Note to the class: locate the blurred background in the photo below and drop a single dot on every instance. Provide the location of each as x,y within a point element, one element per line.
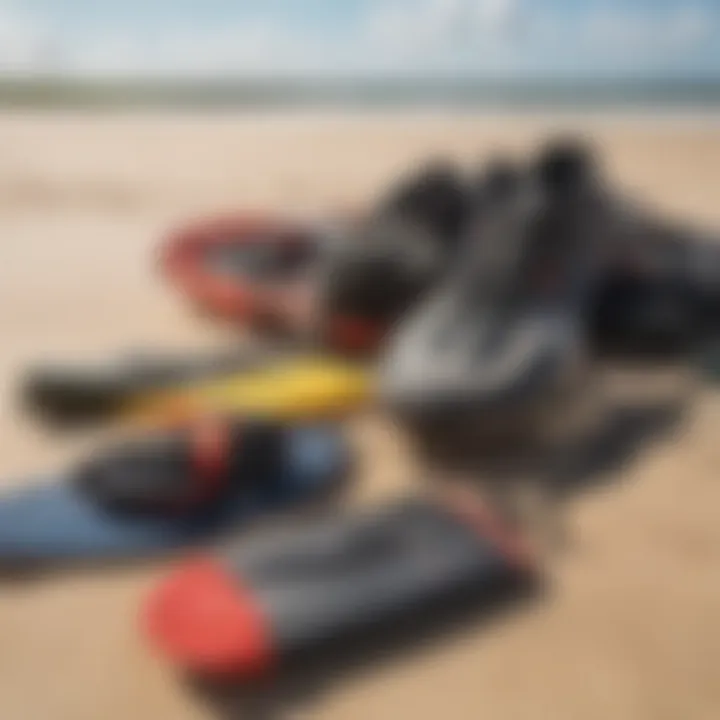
<point>121,120</point>
<point>387,52</point>
<point>488,53</point>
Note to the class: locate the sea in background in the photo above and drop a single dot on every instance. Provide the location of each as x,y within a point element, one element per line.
<point>655,95</point>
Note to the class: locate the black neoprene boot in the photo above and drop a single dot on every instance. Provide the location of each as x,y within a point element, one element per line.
<point>504,339</point>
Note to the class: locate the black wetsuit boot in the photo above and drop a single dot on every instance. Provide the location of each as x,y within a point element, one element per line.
<point>500,343</point>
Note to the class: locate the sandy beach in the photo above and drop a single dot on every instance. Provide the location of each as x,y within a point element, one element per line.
<point>630,629</point>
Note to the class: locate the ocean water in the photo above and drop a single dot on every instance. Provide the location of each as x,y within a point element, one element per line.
<point>530,95</point>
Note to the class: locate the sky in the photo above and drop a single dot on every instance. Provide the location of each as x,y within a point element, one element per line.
<point>366,38</point>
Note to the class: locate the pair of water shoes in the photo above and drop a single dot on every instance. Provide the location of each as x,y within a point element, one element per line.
<point>657,282</point>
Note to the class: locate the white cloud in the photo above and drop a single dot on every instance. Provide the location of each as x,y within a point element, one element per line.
<point>416,26</point>
<point>520,32</point>
<point>255,46</point>
<point>624,33</point>
<point>500,17</point>
<point>395,35</point>
<point>407,36</point>
<point>26,47</point>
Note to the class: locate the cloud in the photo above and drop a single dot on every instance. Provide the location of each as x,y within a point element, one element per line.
<point>499,17</point>
<point>417,26</point>
<point>393,37</point>
<point>519,36</point>
<point>649,34</point>
<point>26,46</point>
<point>420,37</point>
<point>255,46</point>
<point>262,45</point>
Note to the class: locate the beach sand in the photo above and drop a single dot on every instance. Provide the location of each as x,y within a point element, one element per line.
<point>630,629</point>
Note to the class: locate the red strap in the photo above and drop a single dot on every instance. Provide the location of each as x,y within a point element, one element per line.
<point>249,301</point>
<point>355,334</point>
<point>469,507</point>
<point>210,447</point>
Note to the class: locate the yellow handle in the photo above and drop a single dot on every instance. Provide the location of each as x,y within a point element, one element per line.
<point>299,388</point>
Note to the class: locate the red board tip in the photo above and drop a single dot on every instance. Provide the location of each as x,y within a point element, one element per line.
<point>204,621</point>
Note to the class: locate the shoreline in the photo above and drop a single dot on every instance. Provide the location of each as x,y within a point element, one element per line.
<point>661,116</point>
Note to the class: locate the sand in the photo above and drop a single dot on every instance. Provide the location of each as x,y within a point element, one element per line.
<point>631,627</point>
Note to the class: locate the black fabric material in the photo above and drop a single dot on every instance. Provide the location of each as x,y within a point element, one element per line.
<point>355,576</point>
<point>143,476</point>
<point>500,179</point>
<point>161,473</point>
<point>565,166</point>
<point>403,250</point>
<point>661,286</point>
<point>435,197</point>
<point>400,250</point>
<point>76,396</point>
<point>506,332</point>
<point>382,272</point>
<point>634,314</point>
